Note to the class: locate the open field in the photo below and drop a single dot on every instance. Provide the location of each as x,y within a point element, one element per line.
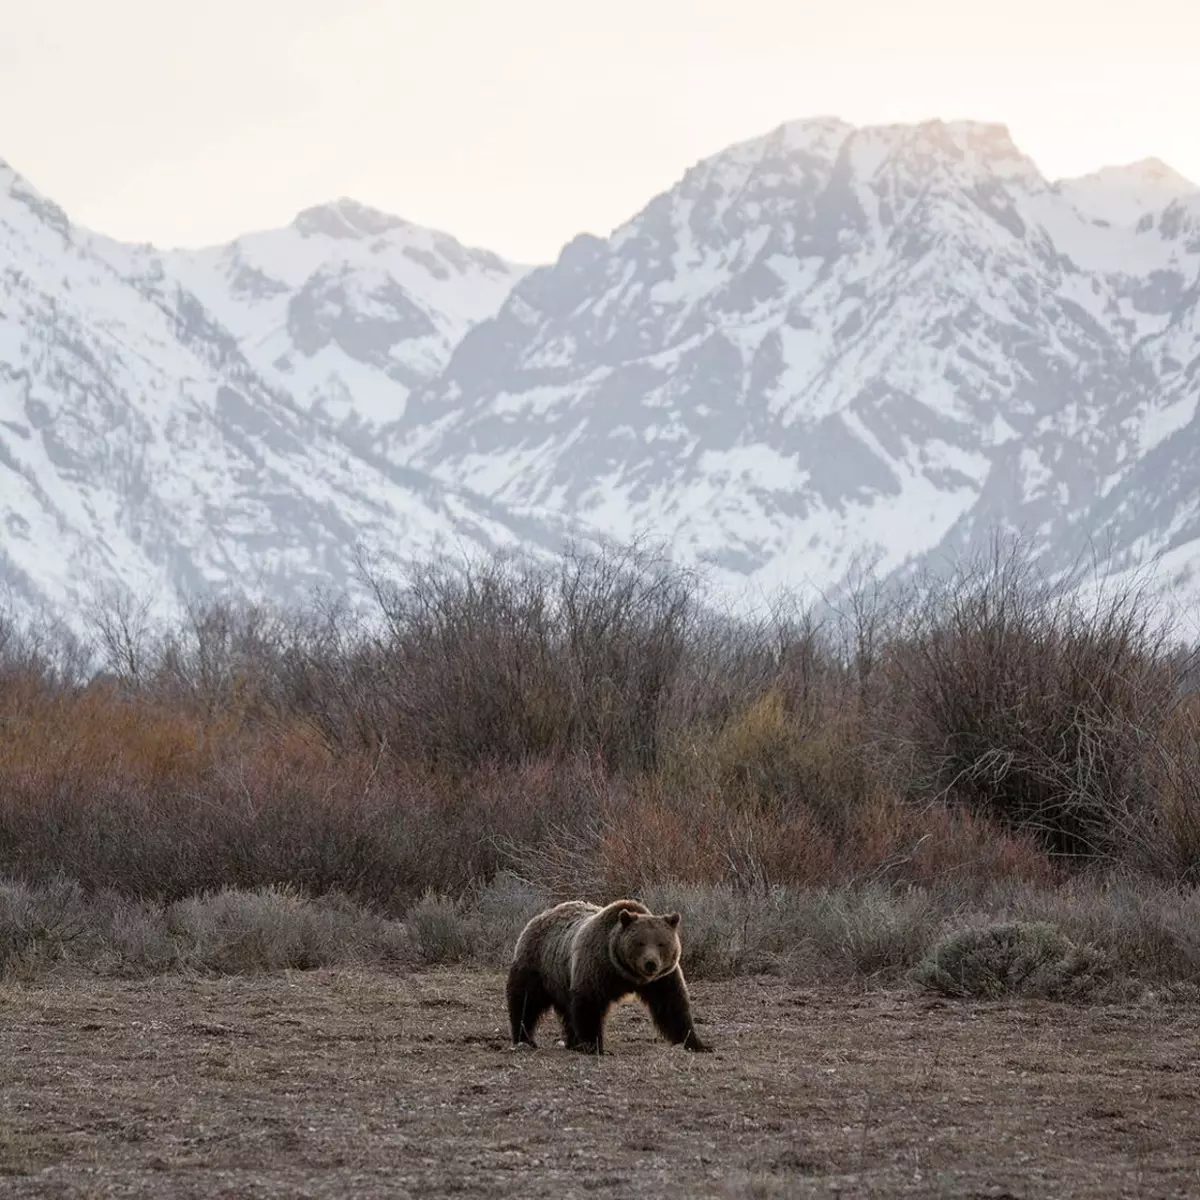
<point>336,1083</point>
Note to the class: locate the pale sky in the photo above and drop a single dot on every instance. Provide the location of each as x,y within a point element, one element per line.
<point>515,124</point>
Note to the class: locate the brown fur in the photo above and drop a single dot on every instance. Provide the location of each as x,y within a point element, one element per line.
<point>580,959</point>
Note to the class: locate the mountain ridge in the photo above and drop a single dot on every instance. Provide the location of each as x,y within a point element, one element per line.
<point>142,448</point>
<point>835,320</point>
<point>826,343</point>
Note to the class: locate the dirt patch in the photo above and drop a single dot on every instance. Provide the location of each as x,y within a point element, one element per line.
<point>343,1084</point>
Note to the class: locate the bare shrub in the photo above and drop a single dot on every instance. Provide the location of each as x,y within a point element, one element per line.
<point>503,660</point>
<point>1011,697</point>
<point>591,728</point>
<point>281,810</point>
<point>124,631</point>
<point>223,661</point>
<point>625,615</point>
<point>732,661</point>
<point>471,654</point>
<point>639,834</point>
<point>788,762</point>
<point>939,845</point>
<point>1163,838</point>
<point>41,654</point>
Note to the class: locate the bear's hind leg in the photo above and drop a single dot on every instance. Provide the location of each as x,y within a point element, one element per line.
<point>568,1030</point>
<point>667,1000</point>
<point>586,1032</point>
<point>527,1001</point>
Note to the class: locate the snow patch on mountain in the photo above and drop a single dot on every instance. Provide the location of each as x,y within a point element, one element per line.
<point>347,308</point>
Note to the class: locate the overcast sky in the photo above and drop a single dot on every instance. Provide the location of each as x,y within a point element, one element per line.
<point>514,124</point>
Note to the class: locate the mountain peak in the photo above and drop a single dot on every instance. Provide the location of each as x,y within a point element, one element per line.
<point>983,146</point>
<point>346,218</point>
<point>837,340</point>
<point>1145,175</point>
<point>10,177</point>
<point>809,132</point>
<point>991,139</point>
<point>1124,194</point>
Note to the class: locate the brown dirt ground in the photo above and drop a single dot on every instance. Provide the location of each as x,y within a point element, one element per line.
<point>346,1084</point>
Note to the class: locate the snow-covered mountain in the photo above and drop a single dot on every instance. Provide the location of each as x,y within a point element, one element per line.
<point>141,444</point>
<point>834,342</point>
<point>826,344</point>
<point>348,309</point>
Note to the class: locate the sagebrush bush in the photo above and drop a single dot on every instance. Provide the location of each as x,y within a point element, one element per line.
<point>873,931</point>
<point>39,926</point>
<point>55,926</point>
<point>232,931</point>
<point>1083,940</point>
<point>1149,932</point>
<point>498,911</point>
<point>1014,959</point>
<point>439,930</point>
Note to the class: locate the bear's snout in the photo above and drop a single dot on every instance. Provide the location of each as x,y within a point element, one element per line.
<point>650,966</point>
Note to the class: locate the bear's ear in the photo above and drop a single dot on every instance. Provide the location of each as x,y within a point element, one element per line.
<point>627,917</point>
<point>672,919</point>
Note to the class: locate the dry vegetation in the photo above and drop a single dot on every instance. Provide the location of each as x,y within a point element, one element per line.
<point>279,787</point>
<point>971,811</point>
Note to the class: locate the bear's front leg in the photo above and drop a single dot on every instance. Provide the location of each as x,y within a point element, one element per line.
<point>587,1025</point>
<point>671,1010</point>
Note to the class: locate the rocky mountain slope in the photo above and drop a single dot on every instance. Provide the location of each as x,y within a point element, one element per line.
<point>834,342</point>
<point>348,309</point>
<point>142,446</point>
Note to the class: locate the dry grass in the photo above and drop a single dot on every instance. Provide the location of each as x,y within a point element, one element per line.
<point>347,1083</point>
<point>58,928</point>
<point>1135,940</point>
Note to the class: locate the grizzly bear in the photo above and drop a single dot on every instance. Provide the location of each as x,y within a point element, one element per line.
<point>580,959</point>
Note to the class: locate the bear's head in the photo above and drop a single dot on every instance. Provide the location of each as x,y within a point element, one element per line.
<point>647,945</point>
